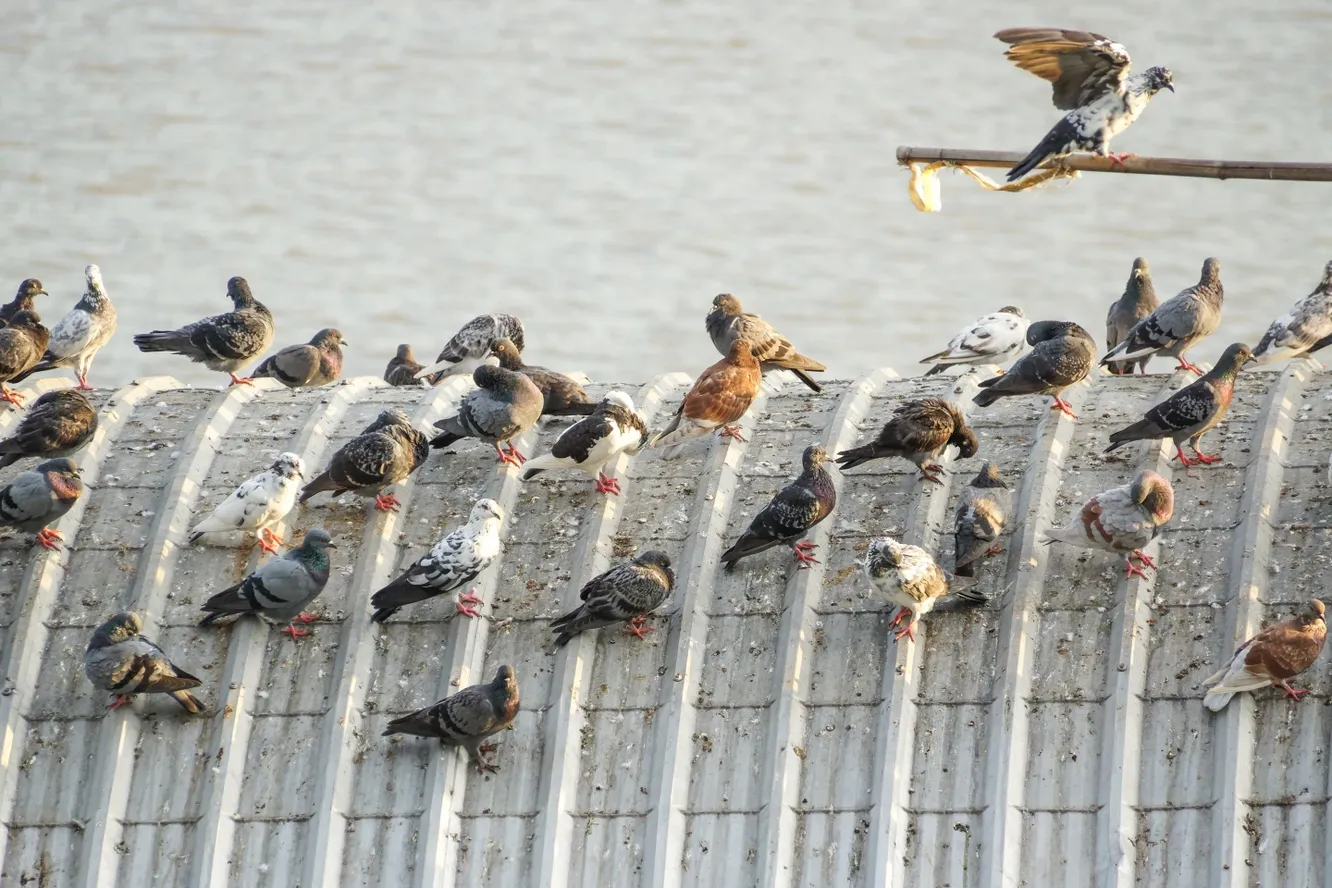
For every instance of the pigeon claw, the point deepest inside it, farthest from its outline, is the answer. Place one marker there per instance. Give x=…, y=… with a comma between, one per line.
x=1205, y=458
x=993, y=550
x=307, y=618
x=1132, y=570
x=49, y=538
x=240, y=380
x=909, y=630
x=269, y=541
x=1143, y=558
x=465, y=605
x=512, y=457
x=897, y=616
x=607, y=484
x=290, y=629
x=804, y=553
x=637, y=626
x=1293, y=693
x=120, y=700
x=485, y=767
x=1118, y=159
x=8, y=394
x=1063, y=407
x=1192, y=368
x=387, y=502
x=83, y=385
x=732, y=431
x=932, y=472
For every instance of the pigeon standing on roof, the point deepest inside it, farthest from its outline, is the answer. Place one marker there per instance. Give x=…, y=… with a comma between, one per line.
x=1091, y=81
x=466, y=718
x=626, y=593
x=226, y=342
x=1301, y=330
x=77, y=337
x=503, y=406
x=982, y=512
x=40, y=497
x=791, y=514
x=919, y=431
x=471, y=346
x=719, y=397
x=383, y=454
x=910, y=579
x=258, y=503
x=593, y=442
x=310, y=365
x=991, y=339
x=1139, y=301
x=561, y=395
x=1122, y=519
x=58, y=423
x=120, y=660
x=1177, y=324
x=728, y=321
x=280, y=588
x=23, y=300
x=22, y=344
x=1272, y=657
x=402, y=370
x=1062, y=355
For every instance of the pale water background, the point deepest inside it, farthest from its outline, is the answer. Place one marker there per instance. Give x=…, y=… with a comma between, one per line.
x=604, y=168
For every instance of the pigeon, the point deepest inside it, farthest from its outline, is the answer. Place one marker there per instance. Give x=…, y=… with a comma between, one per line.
x=22, y=344
x=1193, y=410
x=1177, y=324
x=795, y=509
x=1090, y=76
x=919, y=431
x=590, y=444
x=719, y=397
x=225, y=342
x=982, y=512
x=280, y=588
x=1139, y=301
x=77, y=337
x=258, y=503
x=23, y=300
x=1062, y=355
x=505, y=405
x=458, y=558
x=120, y=660
x=316, y=363
x=58, y=423
x=1303, y=329
x=991, y=339
x=728, y=322
x=466, y=718
x=1122, y=519
x=624, y=594
x=1272, y=657
x=910, y=579
x=562, y=395
x=471, y=346
x=40, y=497
x=402, y=369
x=383, y=454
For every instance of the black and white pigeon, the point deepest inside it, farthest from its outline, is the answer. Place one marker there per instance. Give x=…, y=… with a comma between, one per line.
x=471, y=346
x=40, y=497
x=120, y=660
x=401, y=371
x=991, y=339
x=1177, y=324
x=728, y=321
x=1062, y=355
x=562, y=394
x=466, y=718
x=791, y=514
x=23, y=300
x=77, y=337
x=226, y=342
x=1303, y=329
x=459, y=557
x=503, y=406
x=22, y=344
x=258, y=504
x=1139, y=301
x=1091, y=81
x=909, y=577
x=59, y=423
x=982, y=511
x=383, y=454
x=590, y=444
x=626, y=593
x=280, y=588
x=309, y=365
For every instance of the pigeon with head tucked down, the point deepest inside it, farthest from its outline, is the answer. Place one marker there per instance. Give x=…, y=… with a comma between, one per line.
x=626, y=593
x=719, y=397
x=23, y=300
x=791, y=514
x=1303, y=329
x=1139, y=301
x=919, y=431
x=1062, y=354
x=728, y=321
x=402, y=369
x=1177, y=324
x=225, y=342
x=77, y=337
x=383, y=454
x=258, y=503
x=909, y=577
x=40, y=497
x=120, y=660
x=590, y=444
x=562, y=396
x=503, y=406
x=472, y=345
x=58, y=423
x=991, y=339
x=1122, y=519
x=466, y=718
x=1272, y=657
x=309, y=365
x=982, y=512
x=280, y=588
x=22, y=344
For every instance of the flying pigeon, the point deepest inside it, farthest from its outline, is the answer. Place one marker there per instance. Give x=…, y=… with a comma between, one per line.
x=1190, y=412
x=280, y=588
x=1272, y=657
x=720, y=396
x=1122, y=519
x=795, y=509
x=1302, y=329
x=403, y=368
x=1139, y=301
x=383, y=454
x=728, y=321
x=1062, y=355
x=910, y=579
x=562, y=395
x=225, y=342
x=471, y=346
x=58, y=423
x=120, y=660
x=982, y=512
x=919, y=431
x=624, y=594
x=458, y=558
x=40, y=497
x=1177, y=324
x=466, y=718
x=22, y=344
x=77, y=337
x=504, y=405
x=307, y=366
x=1091, y=80
x=991, y=339
x=258, y=503
x=590, y=444
x=23, y=300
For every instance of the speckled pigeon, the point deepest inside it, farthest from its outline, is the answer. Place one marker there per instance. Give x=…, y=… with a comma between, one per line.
x=795, y=509
x=402, y=370
x=471, y=346
x=919, y=431
x=120, y=660
x=1139, y=301
x=1303, y=329
x=59, y=423
x=1062, y=355
x=626, y=593
x=280, y=588
x=77, y=337
x=909, y=577
x=23, y=300
x=562, y=395
x=385, y=453
x=982, y=511
x=22, y=344
x=1122, y=519
x=225, y=342
x=505, y=405
x=590, y=444
x=1272, y=657
x=258, y=503
x=990, y=339
x=40, y=497
x=1177, y=324
x=316, y=363
x=728, y=321
x=718, y=398
x=467, y=718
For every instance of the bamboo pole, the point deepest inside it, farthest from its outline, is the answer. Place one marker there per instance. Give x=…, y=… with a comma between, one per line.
x=1149, y=166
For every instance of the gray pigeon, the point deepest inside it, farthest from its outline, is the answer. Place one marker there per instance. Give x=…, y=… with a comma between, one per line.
x=471, y=346
x=1303, y=329
x=280, y=588
x=403, y=368
x=467, y=718
x=505, y=405
x=23, y=300
x=1139, y=300
x=306, y=366
x=729, y=321
x=791, y=514
x=22, y=344
x=385, y=453
x=982, y=512
x=77, y=337
x=561, y=395
x=120, y=660
x=225, y=342
x=1062, y=355
x=624, y=594
x=1178, y=324
x=40, y=497
x=57, y=424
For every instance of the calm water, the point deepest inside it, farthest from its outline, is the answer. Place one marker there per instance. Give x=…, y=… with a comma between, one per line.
x=603, y=169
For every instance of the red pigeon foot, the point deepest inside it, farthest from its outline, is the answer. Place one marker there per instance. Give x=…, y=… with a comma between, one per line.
x=387, y=502
x=49, y=538
x=125, y=699
x=638, y=627
x=307, y=618
x=512, y=457
x=464, y=604
x=8, y=394
x=486, y=768
x=1293, y=693
x=1132, y=570
x=240, y=380
x=290, y=629
x=1205, y=458
x=83, y=385
x=607, y=484
x=471, y=598
x=732, y=431
x=931, y=472
x=804, y=553
x=993, y=550
x=1063, y=407
x=1118, y=159
x=486, y=748
x=909, y=630
x=1143, y=558
x=897, y=617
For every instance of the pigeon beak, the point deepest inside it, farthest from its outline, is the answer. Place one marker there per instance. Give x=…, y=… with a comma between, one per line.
x=331, y=545
x=1170, y=86
x=42, y=293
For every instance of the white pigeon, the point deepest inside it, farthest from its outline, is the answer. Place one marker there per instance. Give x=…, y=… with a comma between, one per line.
x=1122, y=519
x=910, y=579
x=472, y=345
x=993, y=339
x=259, y=503
x=79, y=336
x=614, y=427
x=1303, y=328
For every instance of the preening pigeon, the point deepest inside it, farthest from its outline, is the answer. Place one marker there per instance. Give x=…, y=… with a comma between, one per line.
x=120, y=660
x=225, y=342
x=624, y=594
x=910, y=579
x=77, y=337
x=590, y=444
x=1303, y=329
x=982, y=512
x=1090, y=76
x=991, y=339
x=1177, y=324
x=561, y=395
x=22, y=344
x=258, y=503
x=1122, y=519
x=919, y=431
x=504, y=405
x=795, y=509
x=466, y=718
x=728, y=321
x=1272, y=657
x=280, y=588
x=40, y=497
x=307, y=366
x=471, y=346
x=403, y=368
x=28, y=291
x=719, y=397
x=1062, y=355
x=1139, y=301
x=385, y=453
x=58, y=423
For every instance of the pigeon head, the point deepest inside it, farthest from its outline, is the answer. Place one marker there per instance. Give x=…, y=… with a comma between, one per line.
x=386, y=418
x=317, y=540
x=238, y=290
x=485, y=510
x=988, y=476
x=30, y=288
x=29, y=320
x=508, y=355
x=727, y=304
x=1013, y=310
x=93, y=274
x=1313, y=613
x=405, y=353
x=1158, y=78
x=60, y=466
x=328, y=338
x=119, y=628
x=813, y=457
x=505, y=684
x=1211, y=271
x=289, y=465
x=654, y=558
x=1040, y=331
x=1232, y=360
x=882, y=557
x=619, y=399
x=1140, y=269
x=964, y=439
x=1155, y=494
x=495, y=379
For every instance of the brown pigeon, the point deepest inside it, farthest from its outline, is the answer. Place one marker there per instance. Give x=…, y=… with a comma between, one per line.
x=403, y=368
x=1062, y=355
x=728, y=321
x=1139, y=300
x=919, y=431
x=1122, y=519
x=1272, y=657
x=720, y=396
x=561, y=395
x=57, y=424
x=22, y=343
x=909, y=577
x=982, y=512
x=23, y=300
x=466, y=718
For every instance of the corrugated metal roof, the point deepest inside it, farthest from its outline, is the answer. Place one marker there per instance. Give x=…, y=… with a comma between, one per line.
x=768, y=733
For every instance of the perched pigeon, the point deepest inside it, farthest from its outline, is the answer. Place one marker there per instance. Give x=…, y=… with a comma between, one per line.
x=458, y=558
x=590, y=444
x=40, y=497
x=1177, y=324
x=403, y=368
x=1062, y=355
x=23, y=300
x=77, y=337
x=466, y=718
x=624, y=594
x=728, y=321
x=22, y=344
x=1090, y=74
x=58, y=423
x=307, y=366
x=258, y=503
x=280, y=588
x=1122, y=519
x=471, y=346
x=1139, y=301
x=385, y=453
x=720, y=396
x=1190, y=412
x=982, y=512
x=120, y=660
x=919, y=431
x=991, y=339
x=910, y=579
x=1272, y=657
x=561, y=395
x=795, y=509
x=225, y=342
x=504, y=405
x=1302, y=329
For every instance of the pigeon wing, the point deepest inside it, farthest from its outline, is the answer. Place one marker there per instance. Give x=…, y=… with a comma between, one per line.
x=1080, y=65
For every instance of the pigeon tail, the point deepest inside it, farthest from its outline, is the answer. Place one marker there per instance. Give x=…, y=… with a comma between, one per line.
x=1140, y=430
x=986, y=398
x=1055, y=144
x=188, y=700
x=383, y=613
x=936, y=369
x=163, y=341
x=849, y=459
x=804, y=377
x=1216, y=702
